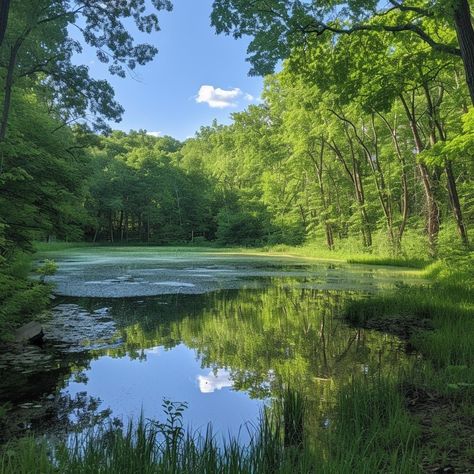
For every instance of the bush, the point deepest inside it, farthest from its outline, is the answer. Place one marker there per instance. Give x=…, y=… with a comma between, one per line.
x=240, y=227
x=20, y=298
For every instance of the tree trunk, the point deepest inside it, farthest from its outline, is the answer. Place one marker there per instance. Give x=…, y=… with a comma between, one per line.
x=7, y=95
x=4, y=10
x=465, y=34
x=359, y=190
x=432, y=209
x=111, y=227
x=355, y=178
x=436, y=124
x=120, y=226
x=126, y=226
x=456, y=205
x=318, y=166
x=404, y=197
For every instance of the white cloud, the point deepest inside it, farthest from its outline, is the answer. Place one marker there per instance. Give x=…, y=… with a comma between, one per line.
x=210, y=383
x=218, y=98
x=249, y=97
x=154, y=134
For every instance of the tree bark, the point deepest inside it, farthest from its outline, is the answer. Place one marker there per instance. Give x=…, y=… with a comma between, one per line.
x=318, y=166
x=111, y=227
x=404, y=209
x=4, y=10
x=456, y=205
x=8, y=88
x=120, y=226
x=432, y=209
x=436, y=125
x=465, y=34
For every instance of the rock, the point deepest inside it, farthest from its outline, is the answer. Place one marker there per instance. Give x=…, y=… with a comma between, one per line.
x=31, y=332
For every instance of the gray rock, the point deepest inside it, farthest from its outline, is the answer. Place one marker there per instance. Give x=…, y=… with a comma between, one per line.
x=31, y=332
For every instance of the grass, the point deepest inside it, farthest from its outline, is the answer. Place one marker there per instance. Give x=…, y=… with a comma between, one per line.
x=443, y=381
x=20, y=298
x=314, y=251
x=368, y=433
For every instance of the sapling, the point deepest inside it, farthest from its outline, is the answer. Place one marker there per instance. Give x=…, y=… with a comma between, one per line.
x=48, y=268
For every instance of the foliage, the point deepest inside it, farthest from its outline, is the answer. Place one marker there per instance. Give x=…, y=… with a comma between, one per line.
x=48, y=268
x=145, y=447
x=20, y=298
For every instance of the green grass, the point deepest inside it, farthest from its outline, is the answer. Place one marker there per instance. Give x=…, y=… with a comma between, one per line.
x=367, y=433
x=446, y=373
x=20, y=298
x=58, y=246
x=309, y=251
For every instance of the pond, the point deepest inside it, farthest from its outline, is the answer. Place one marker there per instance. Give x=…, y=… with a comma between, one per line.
x=224, y=333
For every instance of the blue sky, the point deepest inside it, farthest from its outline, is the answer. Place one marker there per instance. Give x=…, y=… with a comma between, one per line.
x=167, y=95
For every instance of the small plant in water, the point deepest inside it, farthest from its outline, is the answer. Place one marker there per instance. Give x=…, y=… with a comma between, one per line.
x=48, y=268
x=172, y=429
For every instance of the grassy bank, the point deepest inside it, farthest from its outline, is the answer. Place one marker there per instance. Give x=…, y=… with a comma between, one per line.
x=315, y=250
x=20, y=297
x=438, y=321
x=369, y=433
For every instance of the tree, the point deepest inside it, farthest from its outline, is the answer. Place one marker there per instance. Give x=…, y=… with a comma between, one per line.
x=36, y=45
x=278, y=26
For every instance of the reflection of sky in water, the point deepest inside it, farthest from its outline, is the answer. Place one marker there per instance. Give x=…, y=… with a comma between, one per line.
x=127, y=386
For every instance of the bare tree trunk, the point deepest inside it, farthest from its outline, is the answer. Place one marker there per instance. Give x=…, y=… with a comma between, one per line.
x=377, y=173
x=126, y=226
x=456, y=205
x=120, y=226
x=111, y=226
x=318, y=165
x=465, y=34
x=8, y=88
x=432, y=209
x=354, y=176
x=404, y=198
x=436, y=125
x=4, y=11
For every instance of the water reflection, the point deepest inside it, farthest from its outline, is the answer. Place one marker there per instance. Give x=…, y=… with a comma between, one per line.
x=214, y=381
x=226, y=353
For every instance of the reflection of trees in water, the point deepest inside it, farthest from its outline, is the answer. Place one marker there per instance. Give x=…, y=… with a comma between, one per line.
x=267, y=338
x=45, y=410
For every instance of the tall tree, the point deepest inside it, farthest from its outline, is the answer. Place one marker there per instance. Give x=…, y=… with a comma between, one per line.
x=36, y=44
x=278, y=26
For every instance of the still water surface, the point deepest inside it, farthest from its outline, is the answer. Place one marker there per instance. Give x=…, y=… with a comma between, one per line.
x=226, y=334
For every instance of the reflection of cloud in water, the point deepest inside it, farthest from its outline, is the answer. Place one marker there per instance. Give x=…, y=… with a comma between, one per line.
x=154, y=350
x=210, y=383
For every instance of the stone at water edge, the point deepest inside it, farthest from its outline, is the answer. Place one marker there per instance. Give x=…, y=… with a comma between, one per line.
x=31, y=332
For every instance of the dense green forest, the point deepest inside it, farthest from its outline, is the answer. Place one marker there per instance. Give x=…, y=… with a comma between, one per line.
x=361, y=143
x=362, y=137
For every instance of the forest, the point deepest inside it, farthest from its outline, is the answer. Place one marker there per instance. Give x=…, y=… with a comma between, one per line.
x=368, y=137
x=362, y=143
